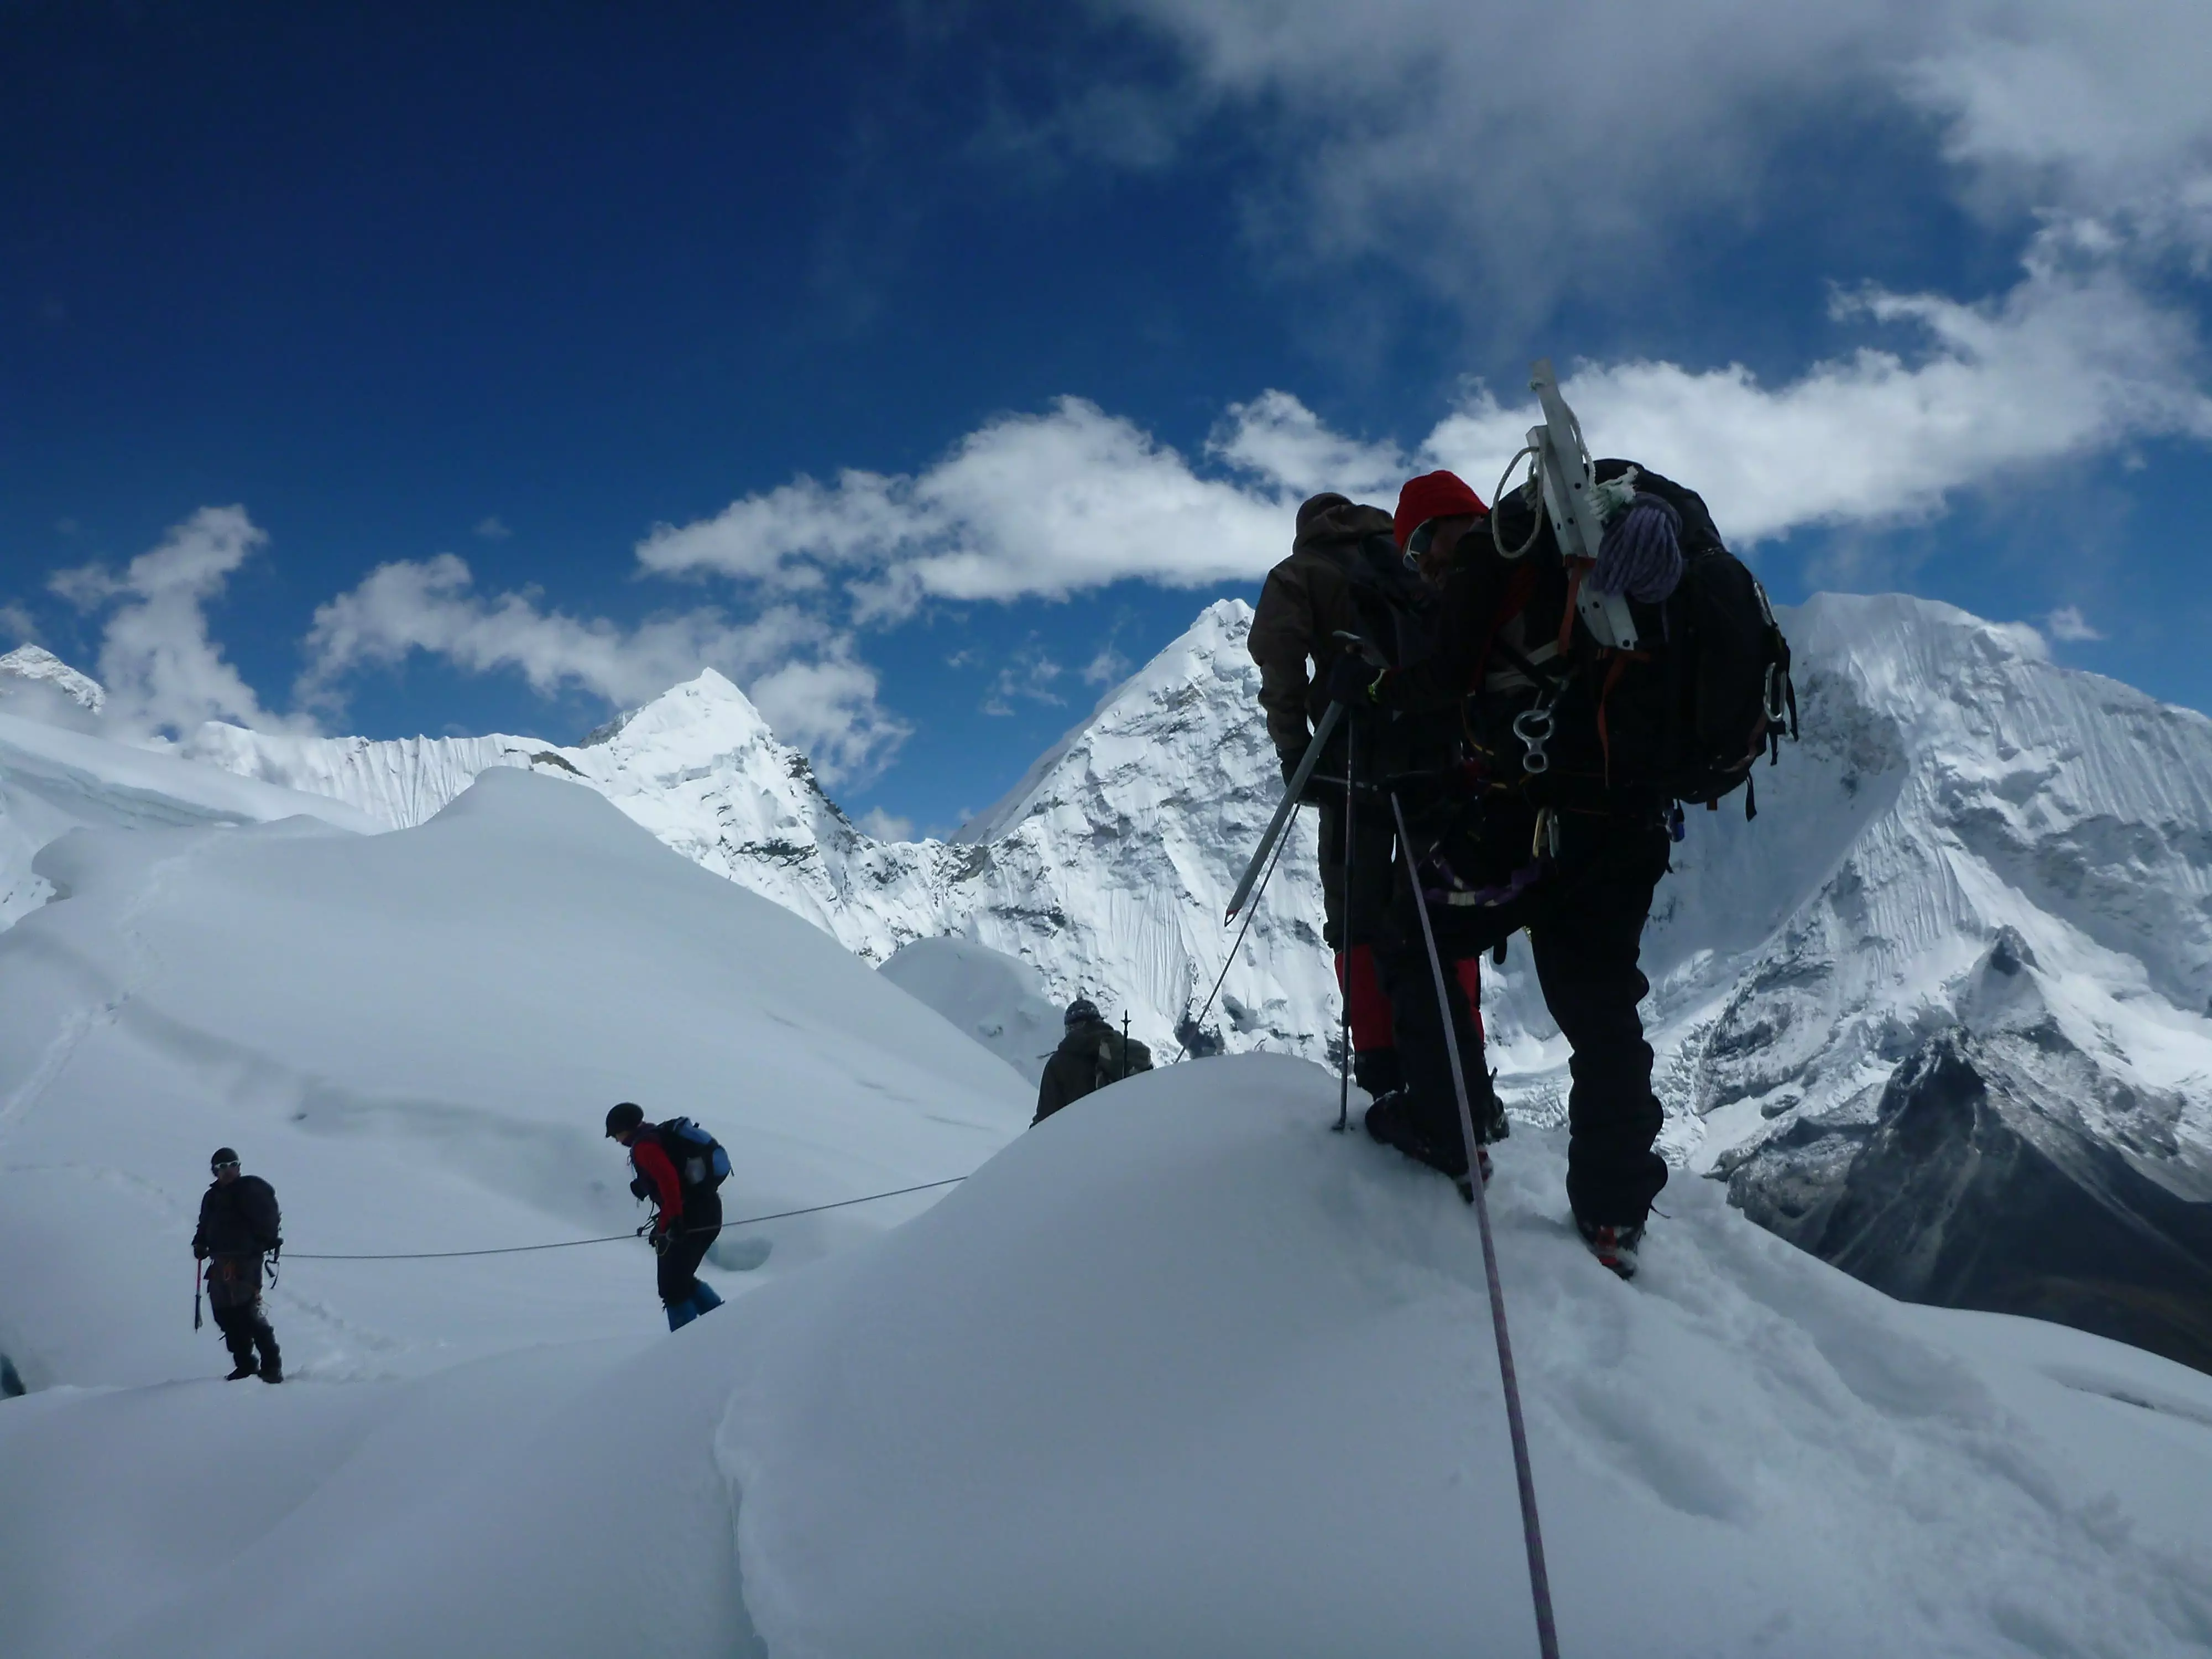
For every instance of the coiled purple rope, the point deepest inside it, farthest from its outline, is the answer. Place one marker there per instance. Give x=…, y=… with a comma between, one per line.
x=1641, y=553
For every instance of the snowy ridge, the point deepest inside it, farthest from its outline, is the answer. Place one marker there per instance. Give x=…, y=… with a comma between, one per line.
x=1107, y=869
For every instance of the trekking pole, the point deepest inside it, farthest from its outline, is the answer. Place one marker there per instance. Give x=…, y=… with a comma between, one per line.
x=1291, y=791
x=1470, y=1189
x=1123, y=1076
x=1344, y=1017
x=195, y=1293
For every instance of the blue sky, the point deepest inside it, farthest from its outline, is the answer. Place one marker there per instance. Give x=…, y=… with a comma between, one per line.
x=454, y=368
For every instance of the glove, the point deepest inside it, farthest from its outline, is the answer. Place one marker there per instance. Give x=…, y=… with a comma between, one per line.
x=199, y=1251
x=1354, y=682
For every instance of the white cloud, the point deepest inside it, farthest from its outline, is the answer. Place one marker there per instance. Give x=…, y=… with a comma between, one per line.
x=163, y=673
x=1046, y=504
x=1109, y=667
x=18, y=623
x=2067, y=624
x=1504, y=149
x=2069, y=364
x=492, y=528
x=1029, y=675
x=801, y=672
x=884, y=826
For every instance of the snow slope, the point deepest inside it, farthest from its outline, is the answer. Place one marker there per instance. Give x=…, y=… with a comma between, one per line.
x=995, y=998
x=1106, y=869
x=53, y=780
x=416, y=1035
x=1179, y=1372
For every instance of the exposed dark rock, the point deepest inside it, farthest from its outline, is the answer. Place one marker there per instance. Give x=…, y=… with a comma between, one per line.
x=1978, y=1186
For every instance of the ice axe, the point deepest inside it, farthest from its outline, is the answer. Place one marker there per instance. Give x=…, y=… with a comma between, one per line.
x=195, y=1293
x=1324, y=729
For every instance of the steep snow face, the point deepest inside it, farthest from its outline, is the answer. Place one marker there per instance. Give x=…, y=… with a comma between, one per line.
x=415, y=1036
x=994, y=998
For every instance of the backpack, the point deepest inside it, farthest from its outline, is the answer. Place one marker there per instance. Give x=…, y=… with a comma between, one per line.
x=699, y=1159
x=1118, y=1057
x=1708, y=689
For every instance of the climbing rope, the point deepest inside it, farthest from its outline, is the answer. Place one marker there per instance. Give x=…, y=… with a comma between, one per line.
x=612, y=1238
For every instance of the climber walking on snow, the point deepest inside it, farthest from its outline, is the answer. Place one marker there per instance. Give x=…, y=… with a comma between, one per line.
x=1342, y=577
x=680, y=1167
x=1091, y=1056
x=239, y=1225
x=1609, y=659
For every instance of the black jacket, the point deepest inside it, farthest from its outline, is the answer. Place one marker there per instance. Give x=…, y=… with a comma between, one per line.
x=1073, y=1070
x=238, y=1220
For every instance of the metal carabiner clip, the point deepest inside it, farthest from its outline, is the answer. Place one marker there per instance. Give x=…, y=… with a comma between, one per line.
x=1777, y=708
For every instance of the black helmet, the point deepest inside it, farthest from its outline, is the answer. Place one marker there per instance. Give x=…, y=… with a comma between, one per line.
x=623, y=1118
x=1081, y=1009
x=221, y=1156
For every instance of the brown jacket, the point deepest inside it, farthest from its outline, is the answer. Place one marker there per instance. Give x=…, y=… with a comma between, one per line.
x=1308, y=597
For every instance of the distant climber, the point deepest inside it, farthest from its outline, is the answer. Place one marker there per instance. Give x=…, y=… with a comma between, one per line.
x=1343, y=576
x=680, y=1167
x=1091, y=1056
x=238, y=1225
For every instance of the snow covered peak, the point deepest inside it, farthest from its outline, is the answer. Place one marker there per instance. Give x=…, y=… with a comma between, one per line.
x=37, y=663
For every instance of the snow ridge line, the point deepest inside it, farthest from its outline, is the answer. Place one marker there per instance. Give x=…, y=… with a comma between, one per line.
x=612, y=1238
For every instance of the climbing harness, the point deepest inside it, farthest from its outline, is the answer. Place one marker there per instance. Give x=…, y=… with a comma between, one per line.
x=612, y=1238
x=1471, y=1190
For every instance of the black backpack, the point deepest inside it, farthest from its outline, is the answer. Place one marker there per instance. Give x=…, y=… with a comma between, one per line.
x=1709, y=689
x=701, y=1162
x=1724, y=663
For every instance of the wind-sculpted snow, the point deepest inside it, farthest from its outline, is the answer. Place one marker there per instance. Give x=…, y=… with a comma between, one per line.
x=53, y=780
x=415, y=1036
x=1216, y=1381
x=1179, y=1372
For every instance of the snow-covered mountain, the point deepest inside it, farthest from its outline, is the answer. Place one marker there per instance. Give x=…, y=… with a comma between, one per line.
x=1107, y=868
x=1976, y=863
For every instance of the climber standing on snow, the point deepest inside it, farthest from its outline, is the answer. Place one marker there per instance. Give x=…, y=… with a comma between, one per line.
x=239, y=1225
x=1332, y=584
x=1091, y=1056
x=680, y=1167
x=1560, y=823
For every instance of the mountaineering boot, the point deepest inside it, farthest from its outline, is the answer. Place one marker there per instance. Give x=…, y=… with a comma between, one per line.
x=272, y=1362
x=1613, y=1246
x=1391, y=1123
x=703, y=1299
x=245, y=1368
x=680, y=1314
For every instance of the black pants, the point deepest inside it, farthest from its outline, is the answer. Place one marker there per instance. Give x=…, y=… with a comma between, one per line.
x=1369, y=888
x=1585, y=918
x=233, y=1288
x=678, y=1272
